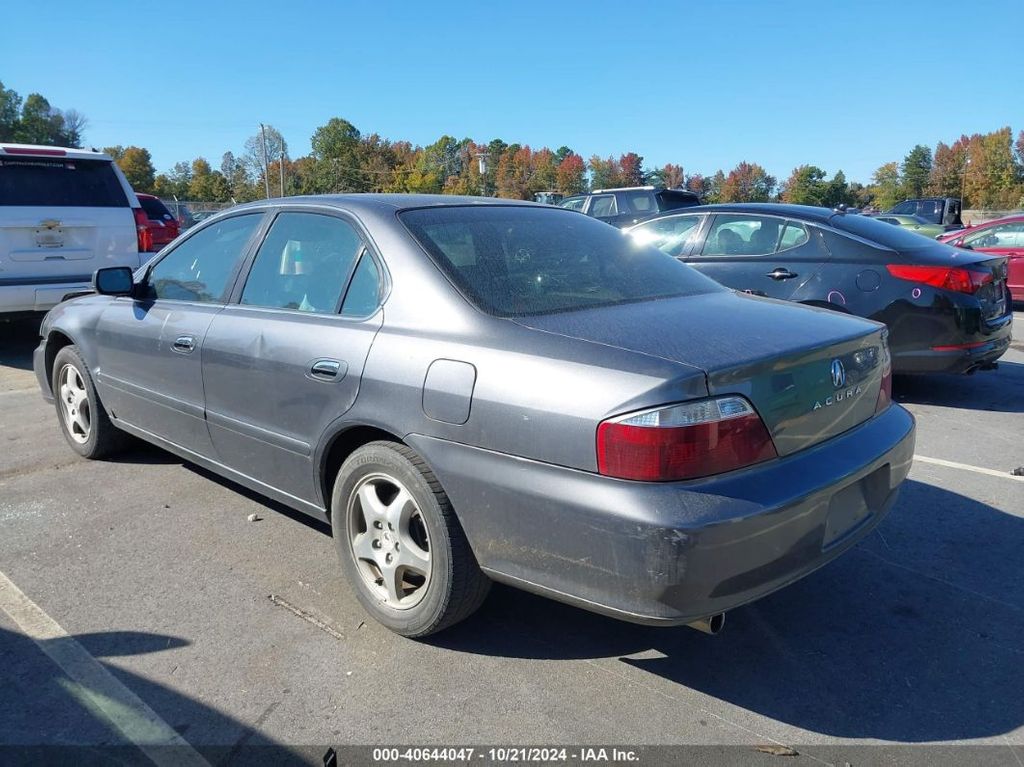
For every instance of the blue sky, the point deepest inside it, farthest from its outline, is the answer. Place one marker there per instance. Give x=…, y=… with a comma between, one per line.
x=842, y=85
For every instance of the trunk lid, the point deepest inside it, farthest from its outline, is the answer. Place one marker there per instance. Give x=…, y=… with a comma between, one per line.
x=781, y=356
x=991, y=295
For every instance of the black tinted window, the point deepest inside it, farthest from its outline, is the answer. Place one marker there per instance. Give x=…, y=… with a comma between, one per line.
x=199, y=268
x=60, y=183
x=303, y=264
x=155, y=210
x=886, y=235
x=517, y=260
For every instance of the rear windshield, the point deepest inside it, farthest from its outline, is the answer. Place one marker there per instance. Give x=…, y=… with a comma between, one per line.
x=155, y=210
x=60, y=183
x=886, y=235
x=516, y=261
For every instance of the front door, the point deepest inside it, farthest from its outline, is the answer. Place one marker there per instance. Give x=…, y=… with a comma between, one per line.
x=762, y=255
x=285, y=361
x=150, y=348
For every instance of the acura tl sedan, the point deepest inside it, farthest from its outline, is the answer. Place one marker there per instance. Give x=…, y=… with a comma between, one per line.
x=948, y=310
x=472, y=390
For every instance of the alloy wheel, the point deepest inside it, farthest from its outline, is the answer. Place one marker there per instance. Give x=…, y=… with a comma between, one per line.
x=75, y=406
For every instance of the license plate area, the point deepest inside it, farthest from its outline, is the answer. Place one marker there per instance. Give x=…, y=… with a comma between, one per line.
x=852, y=506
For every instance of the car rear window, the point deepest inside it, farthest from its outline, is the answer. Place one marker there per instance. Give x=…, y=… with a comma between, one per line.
x=155, y=210
x=886, y=235
x=514, y=261
x=60, y=183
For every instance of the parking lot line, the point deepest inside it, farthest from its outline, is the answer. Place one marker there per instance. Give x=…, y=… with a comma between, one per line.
x=94, y=686
x=967, y=467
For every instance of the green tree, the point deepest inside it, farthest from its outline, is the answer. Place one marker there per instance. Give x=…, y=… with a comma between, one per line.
x=837, y=192
x=916, y=170
x=336, y=151
x=805, y=186
x=887, y=185
x=10, y=113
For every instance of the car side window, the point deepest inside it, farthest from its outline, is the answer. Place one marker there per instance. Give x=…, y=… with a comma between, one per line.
x=793, y=236
x=304, y=263
x=1003, y=236
x=742, y=235
x=670, y=235
x=641, y=202
x=363, y=296
x=573, y=203
x=199, y=268
x=603, y=205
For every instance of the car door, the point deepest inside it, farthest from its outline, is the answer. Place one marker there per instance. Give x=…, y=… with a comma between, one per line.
x=759, y=254
x=150, y=347
x=1002, y=240
x=284, y=359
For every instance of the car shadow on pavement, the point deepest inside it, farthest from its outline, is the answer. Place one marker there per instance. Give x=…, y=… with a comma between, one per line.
x=18, y=339
x=994, y=390
x=915, y=635
x=46, y=716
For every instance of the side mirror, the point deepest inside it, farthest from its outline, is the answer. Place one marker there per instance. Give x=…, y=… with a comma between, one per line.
x=113, y=281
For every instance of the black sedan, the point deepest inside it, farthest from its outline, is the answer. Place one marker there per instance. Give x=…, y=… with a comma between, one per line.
x=948, y=310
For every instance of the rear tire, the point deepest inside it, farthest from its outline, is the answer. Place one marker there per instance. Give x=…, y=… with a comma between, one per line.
x=83, y=420
x=400, y=544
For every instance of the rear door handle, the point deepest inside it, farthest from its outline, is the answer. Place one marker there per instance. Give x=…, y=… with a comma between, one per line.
x=328, y=370
x=184, y=344
x=781, y=273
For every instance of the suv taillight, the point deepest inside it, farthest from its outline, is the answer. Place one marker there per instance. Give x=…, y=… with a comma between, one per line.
x=885, y=393
x=953, y=278
x=686, y=441
x=142, y=230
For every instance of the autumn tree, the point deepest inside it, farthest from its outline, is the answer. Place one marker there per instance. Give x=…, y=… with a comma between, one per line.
x=672, y=176
x=747, y=182
x=571, y=176
x=631, y=170
x=137, y=165
x=604, y=172
x=916, y=170
x=948, y=167
x=993, y=178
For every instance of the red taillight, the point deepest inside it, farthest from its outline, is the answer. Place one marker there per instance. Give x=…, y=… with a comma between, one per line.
x=43, y=152
x=683, y=441
x=953, y=278
x=885, y=393
x=142, y=230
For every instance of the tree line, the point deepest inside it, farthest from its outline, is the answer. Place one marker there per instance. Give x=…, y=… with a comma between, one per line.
x=986, y=169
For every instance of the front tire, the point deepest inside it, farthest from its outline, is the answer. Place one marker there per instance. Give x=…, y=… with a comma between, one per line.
x=400, y=543
x=83, y=420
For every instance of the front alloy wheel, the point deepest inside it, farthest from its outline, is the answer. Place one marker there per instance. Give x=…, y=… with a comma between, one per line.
x=75, y=407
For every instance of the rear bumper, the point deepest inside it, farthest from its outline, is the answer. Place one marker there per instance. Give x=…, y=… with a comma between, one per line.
x=39, y=296
x=671, y=553
x=976, y=349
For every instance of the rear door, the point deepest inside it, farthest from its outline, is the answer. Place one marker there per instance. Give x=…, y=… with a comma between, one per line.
x=759, y=254
x=60, y=220
x=285, y=361
x=151, y=348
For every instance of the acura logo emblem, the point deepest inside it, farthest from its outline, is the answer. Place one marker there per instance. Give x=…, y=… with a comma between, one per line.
x=838, y=374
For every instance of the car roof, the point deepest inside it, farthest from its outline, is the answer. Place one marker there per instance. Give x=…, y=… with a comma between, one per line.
x=38, y=150
x=805, y=212
x=378, y=203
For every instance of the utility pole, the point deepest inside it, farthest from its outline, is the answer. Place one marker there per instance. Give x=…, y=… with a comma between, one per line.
x=280, y=167
x=266, y=166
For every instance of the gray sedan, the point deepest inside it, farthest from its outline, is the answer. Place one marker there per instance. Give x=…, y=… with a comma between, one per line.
x=472, y=390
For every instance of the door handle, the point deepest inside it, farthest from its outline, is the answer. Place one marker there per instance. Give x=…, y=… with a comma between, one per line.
x=327, y=370
x=184, y=344
x=781, y=273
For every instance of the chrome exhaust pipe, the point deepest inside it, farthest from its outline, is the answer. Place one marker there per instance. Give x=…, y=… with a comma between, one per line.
x=710, y=625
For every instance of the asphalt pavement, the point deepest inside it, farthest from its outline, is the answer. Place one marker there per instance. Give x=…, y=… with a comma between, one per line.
x=221, y=634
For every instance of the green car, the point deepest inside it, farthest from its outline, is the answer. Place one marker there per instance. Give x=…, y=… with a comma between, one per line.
x=914, y=224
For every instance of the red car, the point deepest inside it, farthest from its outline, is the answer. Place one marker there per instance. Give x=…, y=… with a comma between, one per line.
x=161, y=223
x=1002, y=237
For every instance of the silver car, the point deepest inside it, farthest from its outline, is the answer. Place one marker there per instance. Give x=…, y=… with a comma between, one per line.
x=473, y=390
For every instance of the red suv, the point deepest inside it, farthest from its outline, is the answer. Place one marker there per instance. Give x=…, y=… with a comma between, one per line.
x=161, y=224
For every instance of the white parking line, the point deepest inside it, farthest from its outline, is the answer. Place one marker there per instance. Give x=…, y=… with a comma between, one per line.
x=94, y=686
x=967, y=467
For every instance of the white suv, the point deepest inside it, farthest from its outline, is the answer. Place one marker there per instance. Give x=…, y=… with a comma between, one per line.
x=64, y=213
